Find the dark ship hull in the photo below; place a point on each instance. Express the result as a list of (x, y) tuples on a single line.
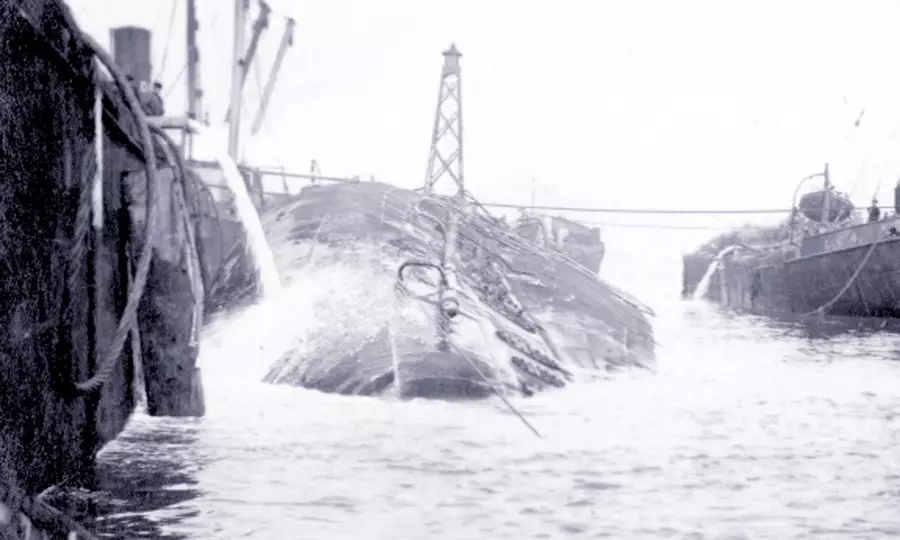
[(852, 271), (529, 316), (579, 242)]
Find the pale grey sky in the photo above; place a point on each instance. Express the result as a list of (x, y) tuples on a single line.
[(634, 103)]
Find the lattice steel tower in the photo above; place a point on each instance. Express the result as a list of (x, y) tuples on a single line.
[(446, 155)]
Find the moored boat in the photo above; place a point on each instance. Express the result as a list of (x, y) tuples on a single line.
[(822, 260)]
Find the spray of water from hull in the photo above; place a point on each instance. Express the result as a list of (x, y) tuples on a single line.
[(261, 253), (703, 286)]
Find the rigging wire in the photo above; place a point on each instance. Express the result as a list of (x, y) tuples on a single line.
[(657, 226), (658, 211), (175, 82), (165, 56), (585, 209)]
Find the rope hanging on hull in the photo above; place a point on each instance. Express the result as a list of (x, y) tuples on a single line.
[(107, 364), (836, 298)]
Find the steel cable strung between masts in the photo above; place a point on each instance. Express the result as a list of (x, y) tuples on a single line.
[(670, 211), (168, 40)]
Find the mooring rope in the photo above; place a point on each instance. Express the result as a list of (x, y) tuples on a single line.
[(821, 309), (33, 516), (37, 518), (107, 364), (494, 389)]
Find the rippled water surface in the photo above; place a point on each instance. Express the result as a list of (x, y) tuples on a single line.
[(748, 429)]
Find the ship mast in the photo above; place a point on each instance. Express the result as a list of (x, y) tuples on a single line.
[(237, 73), (194, 93), (262, 22), (286, 41)]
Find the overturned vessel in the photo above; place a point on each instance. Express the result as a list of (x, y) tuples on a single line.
[(823, 260), (429, 295), (438, 299)]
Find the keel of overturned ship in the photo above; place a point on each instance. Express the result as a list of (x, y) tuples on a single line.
[(499, 311)]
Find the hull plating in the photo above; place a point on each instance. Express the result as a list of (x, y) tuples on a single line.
[(771, 284)]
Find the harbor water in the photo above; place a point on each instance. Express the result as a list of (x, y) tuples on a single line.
[(747, 429)]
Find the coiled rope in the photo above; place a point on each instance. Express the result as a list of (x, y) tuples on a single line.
[(107, 364), (19, 510)]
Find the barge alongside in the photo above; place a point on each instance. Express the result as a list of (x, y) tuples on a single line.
[(822, 261)]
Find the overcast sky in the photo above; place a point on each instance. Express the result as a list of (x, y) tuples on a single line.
[(634, 103)]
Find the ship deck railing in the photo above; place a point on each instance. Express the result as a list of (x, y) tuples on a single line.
[(267, 186)]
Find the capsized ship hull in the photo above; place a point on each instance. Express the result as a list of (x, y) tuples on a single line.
[(529, 317)]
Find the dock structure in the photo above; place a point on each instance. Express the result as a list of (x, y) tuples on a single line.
[(101, 283)]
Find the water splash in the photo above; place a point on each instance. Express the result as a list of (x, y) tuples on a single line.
[(330, 307), (703, 286), (263, 259)]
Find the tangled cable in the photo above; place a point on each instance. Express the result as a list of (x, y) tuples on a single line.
[(522, 245)]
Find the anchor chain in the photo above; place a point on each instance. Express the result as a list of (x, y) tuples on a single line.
[(521, 346), (537, 372)]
